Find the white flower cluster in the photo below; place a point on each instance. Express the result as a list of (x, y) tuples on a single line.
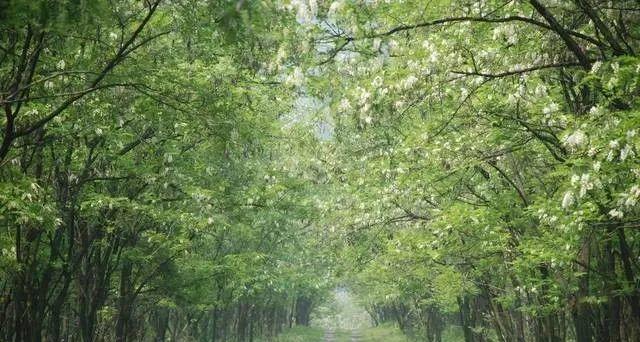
[(433, 55), (335, 7), (546, 218), (550, 108), (575, 140), (615, 213), (630, 198), (306, 10), (409, 82), (296, 78), (344, 106), (585, 182), (567, 200), (506, 32), (622, 153), (364, 100)]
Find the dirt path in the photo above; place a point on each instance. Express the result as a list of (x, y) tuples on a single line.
[(329, 336)]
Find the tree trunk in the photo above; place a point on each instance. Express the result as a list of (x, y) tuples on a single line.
[(124, 303)]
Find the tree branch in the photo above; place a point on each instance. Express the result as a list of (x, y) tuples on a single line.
[(513, 18), (519, 71)]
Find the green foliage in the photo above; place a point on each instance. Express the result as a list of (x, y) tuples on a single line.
[(213, 169)]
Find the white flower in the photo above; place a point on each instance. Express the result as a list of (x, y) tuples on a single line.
[(393, 45), (366, 107), (575, 139), (98, 131), (49, 85), (614, 144), (595, 110), (334, 8), (585, 184), (377, 82), (540, 91), (574, 179), (625, 152), (631, 133), (368, 119), (345, 105), (365, 96), (635, 191), (113, 35), (296, 78), (630, 201), (61, 64), (596, 166), (596, 66), (32, 112), (551, 108), (306, 12), (376, 44), (567, 200), (497, 32), (615, 66), (409, 82), (615, 213), (632, 197)]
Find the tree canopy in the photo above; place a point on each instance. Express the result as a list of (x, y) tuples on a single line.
[(210, 170)]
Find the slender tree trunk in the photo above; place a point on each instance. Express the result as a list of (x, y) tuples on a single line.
[(582, 315), (124, 303)]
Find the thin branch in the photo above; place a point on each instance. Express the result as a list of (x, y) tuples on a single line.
[(482, 20), (335, 51), (519, 71), (122, 52)]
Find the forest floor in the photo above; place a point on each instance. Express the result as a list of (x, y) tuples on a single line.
[(384, 333)]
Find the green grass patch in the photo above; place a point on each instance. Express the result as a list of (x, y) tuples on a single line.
[(453, 333), (383, 333)]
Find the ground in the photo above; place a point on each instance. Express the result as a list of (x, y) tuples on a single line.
[(383, 333)]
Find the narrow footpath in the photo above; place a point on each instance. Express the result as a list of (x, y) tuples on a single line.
[(330, 336)]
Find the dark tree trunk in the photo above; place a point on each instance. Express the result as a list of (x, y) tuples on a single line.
[(124, 303), (303, 310)]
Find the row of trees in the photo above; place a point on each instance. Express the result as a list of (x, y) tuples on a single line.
[(147, 192), (469, 163), (484, 162)]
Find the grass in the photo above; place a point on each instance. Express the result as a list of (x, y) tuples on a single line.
[(383, 333), (453, 334), (300, 334)]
